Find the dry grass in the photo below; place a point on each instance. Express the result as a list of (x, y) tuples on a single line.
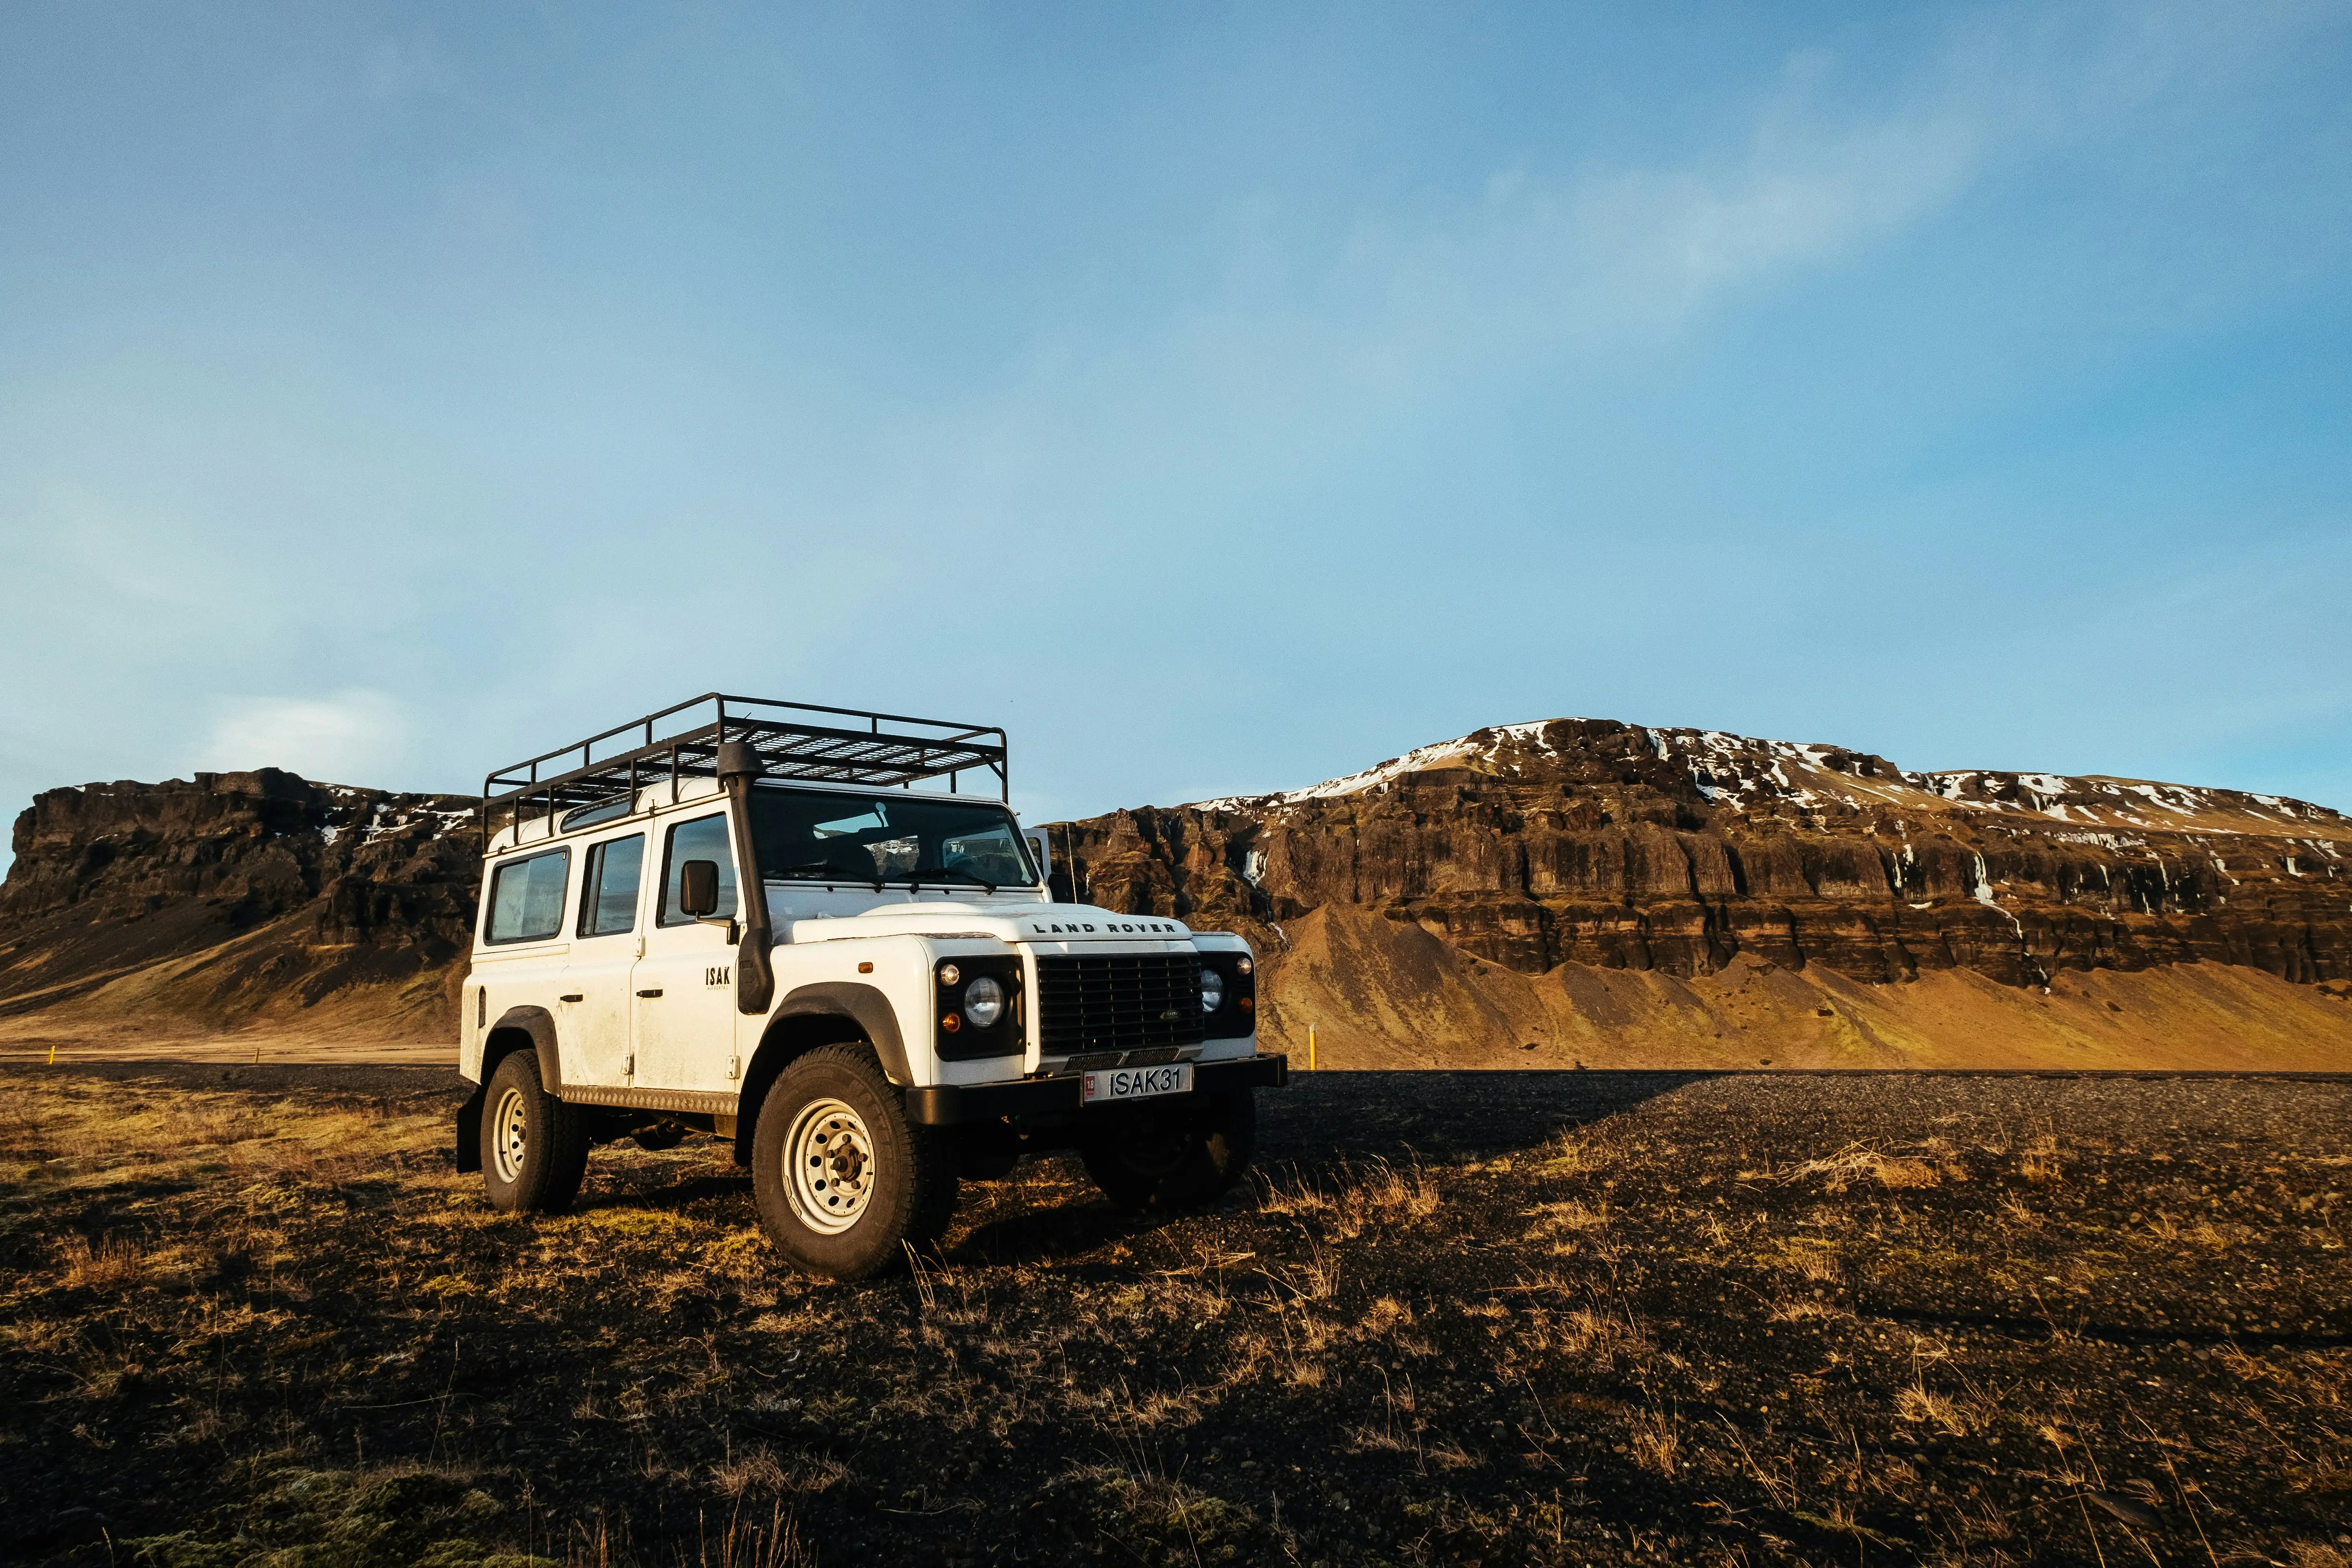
[(1376, 1440), (1657, 1443), (1920, 1403), (1551, 1219), (1604, 1348), (275, 1150), (1359, 1201), (1582, 1153), (1800, 1309), (112, 1262), (1814, 1258), (756, 1471), (2039, 1162), (1600, 1336), (1855, 1162)]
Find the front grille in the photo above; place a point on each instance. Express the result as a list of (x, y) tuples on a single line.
[(1119, 1002)]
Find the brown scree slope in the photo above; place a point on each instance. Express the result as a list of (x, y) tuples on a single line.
[(1605, 893), (1587, 890)]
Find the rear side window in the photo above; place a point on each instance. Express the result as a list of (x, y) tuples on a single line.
[(704, 838), (527, 898), (608, 892)]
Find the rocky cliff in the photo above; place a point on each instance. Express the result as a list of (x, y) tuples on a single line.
[(236, 896), (1579, 889), (1575, 848)]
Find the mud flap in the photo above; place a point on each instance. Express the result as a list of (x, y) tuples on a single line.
[(469, 1130)]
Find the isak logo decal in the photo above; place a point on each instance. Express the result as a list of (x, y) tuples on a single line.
[(718, 975)]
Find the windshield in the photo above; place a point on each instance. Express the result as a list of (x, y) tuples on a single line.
[(805, 836)]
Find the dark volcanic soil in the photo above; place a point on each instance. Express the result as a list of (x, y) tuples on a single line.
[(1480, 1317)]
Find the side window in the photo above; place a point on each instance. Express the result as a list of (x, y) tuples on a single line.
[(704, 838), (608, 889), (527, 898)]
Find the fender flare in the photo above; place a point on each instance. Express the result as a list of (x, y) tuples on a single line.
[(540, 1025), (867, 1007)]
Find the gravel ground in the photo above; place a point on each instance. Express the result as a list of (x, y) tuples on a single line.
[(251, 1315)]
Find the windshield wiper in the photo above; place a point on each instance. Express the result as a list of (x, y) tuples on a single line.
[(942, 873), (831, 872)]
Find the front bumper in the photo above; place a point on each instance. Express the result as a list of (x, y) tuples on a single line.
[(945, 1104)]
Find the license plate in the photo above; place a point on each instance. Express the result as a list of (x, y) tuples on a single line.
[(1137, 1083)]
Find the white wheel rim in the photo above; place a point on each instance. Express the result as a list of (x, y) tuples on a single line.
[(830, 1160), (510, 1135)]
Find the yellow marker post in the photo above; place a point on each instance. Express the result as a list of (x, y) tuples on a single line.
[(1310, 1048), (53, 1053)]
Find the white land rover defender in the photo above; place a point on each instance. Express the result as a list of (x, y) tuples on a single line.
[(741, 919)]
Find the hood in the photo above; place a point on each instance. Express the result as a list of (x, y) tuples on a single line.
[(1023, 923)]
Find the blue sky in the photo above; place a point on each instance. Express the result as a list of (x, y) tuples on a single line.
[(1220, 398)]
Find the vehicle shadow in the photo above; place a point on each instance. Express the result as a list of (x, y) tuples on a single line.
[(1343, 1118), (633, 1190), (1053, 1226), (1323, 1130)]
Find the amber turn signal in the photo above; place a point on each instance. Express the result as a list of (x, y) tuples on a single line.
[(1249, 1003), (952, 1023)]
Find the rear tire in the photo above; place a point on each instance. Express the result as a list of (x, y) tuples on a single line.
[(1177, 1161), (840, 1177), (534, 1147)]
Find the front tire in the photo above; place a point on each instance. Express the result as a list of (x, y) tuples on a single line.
[(1168, 1161), (840, 1177), (534, 1146)]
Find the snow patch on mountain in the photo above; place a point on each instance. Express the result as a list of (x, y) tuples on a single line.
[(1482, 746), (1748, 774)]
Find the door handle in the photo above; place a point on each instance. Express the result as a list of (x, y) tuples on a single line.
[(655, 992), (573, 997)]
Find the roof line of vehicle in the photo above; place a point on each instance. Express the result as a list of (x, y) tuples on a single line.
[(499, 844)]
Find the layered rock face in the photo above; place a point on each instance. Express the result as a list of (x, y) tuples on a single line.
[(252, 888), (1478, 890), (1619, 847)]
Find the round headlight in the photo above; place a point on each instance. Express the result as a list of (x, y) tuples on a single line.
[(1212, 990), (983, 1001)]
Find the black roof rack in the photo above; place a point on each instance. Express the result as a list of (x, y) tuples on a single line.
[(792, 746)]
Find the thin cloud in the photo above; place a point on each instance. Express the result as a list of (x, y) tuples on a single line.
[(353, 736), (1831, 164), (1264, 385)]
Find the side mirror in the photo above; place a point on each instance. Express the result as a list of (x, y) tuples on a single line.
[(697, 889), (1058, 888)]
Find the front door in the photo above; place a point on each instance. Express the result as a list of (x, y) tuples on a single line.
[(685, 984), (594, 1023)]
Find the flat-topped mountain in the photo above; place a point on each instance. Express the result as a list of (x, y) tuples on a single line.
[(235, 899), (1533, 894), (1573, 850)]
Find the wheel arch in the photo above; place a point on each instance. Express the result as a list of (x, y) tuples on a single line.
[(521, 1028), (828, 1013), (529, 1029)]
